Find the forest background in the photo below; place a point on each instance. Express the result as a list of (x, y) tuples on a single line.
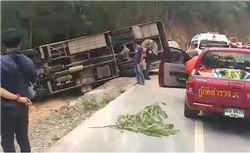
[(43, 22)]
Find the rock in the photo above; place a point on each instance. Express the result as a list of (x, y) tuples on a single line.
[(55, 137), (72, 104)]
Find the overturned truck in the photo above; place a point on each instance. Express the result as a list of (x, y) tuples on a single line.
[(148, 35), (88, 61)]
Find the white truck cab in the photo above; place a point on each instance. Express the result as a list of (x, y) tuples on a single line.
[(203, 40)]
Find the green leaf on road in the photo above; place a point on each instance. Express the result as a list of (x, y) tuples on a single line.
[(150, 121)]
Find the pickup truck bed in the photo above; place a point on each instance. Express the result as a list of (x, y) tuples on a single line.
[(215, 94), (218, 91)]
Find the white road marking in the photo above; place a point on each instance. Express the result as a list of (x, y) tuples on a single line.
[(249, 145), (198, 137)]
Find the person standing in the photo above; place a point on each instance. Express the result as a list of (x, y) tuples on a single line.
[(138, 63), (17, 71), (147, 55), (145, 64), (125, 53)]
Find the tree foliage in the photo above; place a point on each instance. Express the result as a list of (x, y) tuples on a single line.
[(49, 21)]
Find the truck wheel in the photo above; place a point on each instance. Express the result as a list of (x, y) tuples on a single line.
[(125, 66), (188, 112), (41, 94), (127, 73)]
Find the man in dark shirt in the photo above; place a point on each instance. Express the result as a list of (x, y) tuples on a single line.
[(17, 71), (138, 65)]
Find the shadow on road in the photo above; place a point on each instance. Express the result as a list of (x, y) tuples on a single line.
[(225, 125), (153, 72)]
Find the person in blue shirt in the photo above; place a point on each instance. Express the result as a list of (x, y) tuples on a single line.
[(138, 60), (17, 71)]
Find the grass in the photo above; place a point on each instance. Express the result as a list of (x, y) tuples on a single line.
[(94, 103)]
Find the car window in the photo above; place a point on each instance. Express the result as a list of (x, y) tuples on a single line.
[(178, 56), (210, 43), (218, 59), (193, 45)]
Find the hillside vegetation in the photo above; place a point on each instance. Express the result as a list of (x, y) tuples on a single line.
[(44, 22)]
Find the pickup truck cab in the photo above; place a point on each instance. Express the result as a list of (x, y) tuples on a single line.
[(220, 83)]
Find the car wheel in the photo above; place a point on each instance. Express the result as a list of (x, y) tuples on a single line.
[(188, 112)]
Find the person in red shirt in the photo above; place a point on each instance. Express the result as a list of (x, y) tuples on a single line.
[(190, 64)]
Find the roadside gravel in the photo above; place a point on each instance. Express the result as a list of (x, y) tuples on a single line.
[(46, 131)]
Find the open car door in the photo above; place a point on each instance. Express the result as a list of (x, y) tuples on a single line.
[(172, 72)]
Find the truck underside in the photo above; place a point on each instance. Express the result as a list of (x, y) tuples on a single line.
[(91, 60)]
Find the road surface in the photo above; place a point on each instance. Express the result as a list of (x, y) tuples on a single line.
[(204, 134)]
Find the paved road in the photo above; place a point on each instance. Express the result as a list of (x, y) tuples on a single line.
[(204, 134)]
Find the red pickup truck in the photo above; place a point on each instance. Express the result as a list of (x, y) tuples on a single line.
[(219, 83)]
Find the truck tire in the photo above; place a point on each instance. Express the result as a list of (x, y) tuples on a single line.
[(190, 113), (41, 94), (127, 73), (129, 65)]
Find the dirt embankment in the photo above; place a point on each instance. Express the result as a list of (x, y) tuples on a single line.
[(43, 108), (51, 120), (183, 33)]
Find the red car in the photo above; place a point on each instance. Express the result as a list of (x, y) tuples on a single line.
[(219, 83)]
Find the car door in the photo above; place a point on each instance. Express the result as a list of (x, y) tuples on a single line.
[(172, 72)]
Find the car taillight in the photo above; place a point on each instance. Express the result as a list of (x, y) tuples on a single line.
[(190, 80), (190, 85)]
